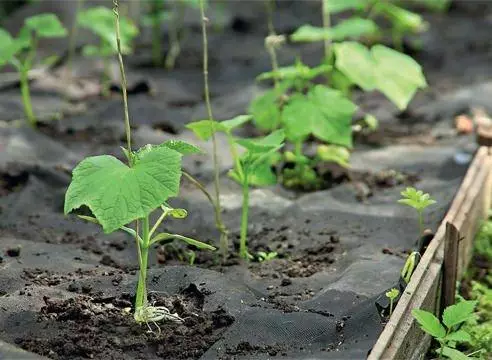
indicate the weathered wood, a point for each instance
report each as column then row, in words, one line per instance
column 402, row 338
column 450, row 265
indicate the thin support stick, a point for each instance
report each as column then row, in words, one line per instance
column 223, row 237
column 326, row 26
column 123, row 83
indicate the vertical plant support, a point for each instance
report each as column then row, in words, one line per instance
column 224, row 241
column 326, row 26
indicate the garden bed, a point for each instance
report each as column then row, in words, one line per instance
column 66, row 289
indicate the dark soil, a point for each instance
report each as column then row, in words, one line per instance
column 101, row 327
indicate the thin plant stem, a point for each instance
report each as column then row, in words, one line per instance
column 26, row 96
column 224, row 243
column 174, row 38
column 326, row 26
column 106, row 77
column 156, row 33
column 421, row 224
column 141, row 296
column 72, row 40
column 243, row 250
column 123, row 83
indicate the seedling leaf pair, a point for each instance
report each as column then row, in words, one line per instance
column 204, row 129
column 396, row 75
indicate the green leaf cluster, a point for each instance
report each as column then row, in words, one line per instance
column 100, row 21
column 448, row 333
column 416, row 199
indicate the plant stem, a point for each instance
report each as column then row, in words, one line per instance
column 106, row 77
column 272, row 52
column 224, row 243
column 72, row 40
column 243, row 250
column 141, row 296
column 174, row 38
column 421, row 224
column 26, row 95
column 326, row 26
column 156, row 33
column 123, row 83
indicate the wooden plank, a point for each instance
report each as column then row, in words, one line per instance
column 401, row 337
column 450, row 265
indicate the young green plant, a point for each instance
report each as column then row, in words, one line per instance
column 392, row 295
column 419, row 201
column 118, row 194
column 253, row 167
column 20, row 52
column 448, row 333
column 99, row 20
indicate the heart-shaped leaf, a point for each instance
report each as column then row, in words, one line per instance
column 396, row 75
column 118, row 194
column 354, row 27
column 323, row 112
column 46, row 26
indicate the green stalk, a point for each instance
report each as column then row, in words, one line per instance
column 421, row 223
column 243, row 250
column 224, row 242
column 326, row 25
column 156, row 33
column 272, row 52
column 141, row 296
column 26, row 95
column 73, row 38
column 174, row 38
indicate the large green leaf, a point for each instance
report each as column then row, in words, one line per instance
column 264, row 144
column 265, row 109
column 323, row 112
column 46, row 26
column 354, row 27
column 100, row 20
column 396, row 75
column 429, row 323
column 118, row 194
column 454, row 354
column 458, row 313
column 335, row 6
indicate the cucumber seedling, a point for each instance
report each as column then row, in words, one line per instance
column 99, row 20
column 20, row 52
column 118, row 194
column 392, row 294
column 252, row 167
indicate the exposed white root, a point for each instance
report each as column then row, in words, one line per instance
column 146, row 314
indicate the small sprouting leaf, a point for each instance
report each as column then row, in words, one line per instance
column 454, row 354
column 89, row 219
column 117, row 194
column 297, row 71
column 182, row 147
column 46, row 26
column 323, row 112
column 392, row 294
column 264, row 144
column 371, row 122
column 396, row 75
column 100, row 20
column 235, row 122
column 460, row 336
column 178, row 213
column 91, row 51
column 429, row 323
column 354, row 27
column 401, row 18
column 416, row 199
column 334, row 153
column 458, row 313
column 196, row 243
column 204, row 129
column 335, row 6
